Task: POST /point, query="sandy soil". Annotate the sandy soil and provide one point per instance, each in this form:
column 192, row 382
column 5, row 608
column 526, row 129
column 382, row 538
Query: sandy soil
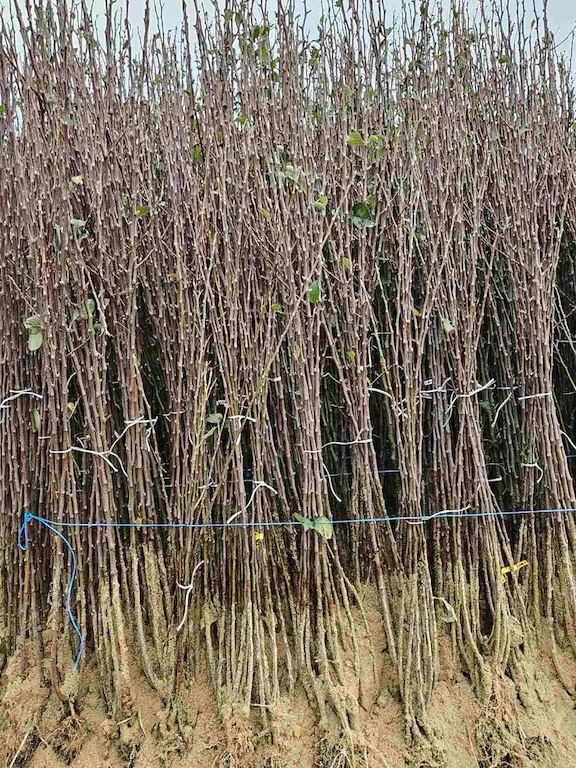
column 540, row 731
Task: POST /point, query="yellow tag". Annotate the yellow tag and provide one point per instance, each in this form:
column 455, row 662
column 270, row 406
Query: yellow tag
column 512, row 569
column 259, row 536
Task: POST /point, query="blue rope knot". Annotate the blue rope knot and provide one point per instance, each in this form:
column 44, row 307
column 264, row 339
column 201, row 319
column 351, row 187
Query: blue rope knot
column 23, row 542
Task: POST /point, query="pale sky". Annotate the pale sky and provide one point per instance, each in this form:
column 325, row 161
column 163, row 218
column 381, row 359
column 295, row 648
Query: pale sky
column 561, row 13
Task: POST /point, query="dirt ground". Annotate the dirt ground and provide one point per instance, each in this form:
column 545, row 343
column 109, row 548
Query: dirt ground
column 541, row 731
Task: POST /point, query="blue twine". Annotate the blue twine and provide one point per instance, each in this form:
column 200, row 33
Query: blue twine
column 52, row 525
column 23, row 530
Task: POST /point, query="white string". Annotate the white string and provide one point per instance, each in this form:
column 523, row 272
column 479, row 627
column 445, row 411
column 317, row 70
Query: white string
column 480, row 389
column 257, row 484
column 531, row 397
column 14, row 395
column 500, row 408
column 425, row 519
column 188, row 589
column 101, row 454
column 337, row 442
column 329, row 478
column 457, row 396
column 535, row 466
column 569, row 440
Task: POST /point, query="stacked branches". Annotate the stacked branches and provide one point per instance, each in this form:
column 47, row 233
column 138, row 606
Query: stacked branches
column 249, row 276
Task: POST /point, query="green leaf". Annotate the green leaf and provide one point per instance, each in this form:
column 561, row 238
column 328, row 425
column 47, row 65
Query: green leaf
column 214, row 418
column 142, row 210
column 35, row 341
column 362, row 215
column 265, row 214
column 351, row 355
column 308, row 524
column 90, row 307
column 321, row 203
column 360, row 222
column 294, row 176
column 447, row 324
column 362, row 210
column 324, row 527
column 277, row 307
column 321, row 525
column 2, row 109
column 314, row 294
column 35, row 419
column 77, row 180
column 376, row 138
column 346, row 262
column 77, row 223
column 33, row 324
column 355, row 139
column 198, row 155
column 259, row 31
